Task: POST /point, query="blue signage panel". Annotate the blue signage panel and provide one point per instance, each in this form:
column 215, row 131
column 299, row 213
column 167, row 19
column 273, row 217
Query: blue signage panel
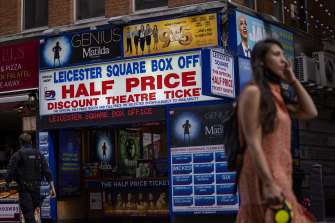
column 46, row 146
column 199, row 175
column 69, row 163
column 182, row 180
column 182, row 190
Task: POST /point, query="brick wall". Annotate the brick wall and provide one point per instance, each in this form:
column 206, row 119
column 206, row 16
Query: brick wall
column 265, row 6
column 176, row 3
column 10, row 22
column 60, row 12
column 118, row 7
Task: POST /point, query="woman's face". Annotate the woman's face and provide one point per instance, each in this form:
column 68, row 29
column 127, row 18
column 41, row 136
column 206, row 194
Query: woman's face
column 242, row 27
column 275, row 60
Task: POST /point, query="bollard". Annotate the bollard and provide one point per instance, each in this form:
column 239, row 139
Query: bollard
column 317, row 193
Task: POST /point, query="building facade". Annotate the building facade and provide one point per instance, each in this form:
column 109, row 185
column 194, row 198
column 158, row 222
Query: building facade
column 104, row 102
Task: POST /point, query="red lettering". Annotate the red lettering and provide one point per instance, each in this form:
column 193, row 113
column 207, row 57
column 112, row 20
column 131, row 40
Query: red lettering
column 106, row 85
column 168, row 83
column 131, row 82
column 188, row 78
column 147, row 81
column 92, row 90
column 118, row 113
column 82, row 91
column 187, row 93
column 159, row 82
column 179, row 93
column 67, row 91
column 152, row 96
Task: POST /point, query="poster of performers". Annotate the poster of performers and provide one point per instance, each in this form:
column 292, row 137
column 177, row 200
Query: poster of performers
column 130, row 151
column 148, row 201
column 171, row 35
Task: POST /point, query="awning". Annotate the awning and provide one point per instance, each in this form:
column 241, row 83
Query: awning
column 17, row 102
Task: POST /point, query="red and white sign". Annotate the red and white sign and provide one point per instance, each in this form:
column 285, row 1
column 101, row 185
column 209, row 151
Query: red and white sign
column 9, row 212
column 19, row 66
column 151, row 81
column 222, row 74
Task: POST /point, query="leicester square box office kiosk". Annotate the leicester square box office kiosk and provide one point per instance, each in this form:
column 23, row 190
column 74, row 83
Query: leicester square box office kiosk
column 73, row 107
column 122, row 147
column 131, row 142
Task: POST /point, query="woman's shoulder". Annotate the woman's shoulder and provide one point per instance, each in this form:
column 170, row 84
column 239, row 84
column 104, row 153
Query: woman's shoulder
column 251, row 90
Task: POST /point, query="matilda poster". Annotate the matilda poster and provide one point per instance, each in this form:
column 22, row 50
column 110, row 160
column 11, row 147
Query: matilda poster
column 103, row 150
column 171, row 35
column 130, row 151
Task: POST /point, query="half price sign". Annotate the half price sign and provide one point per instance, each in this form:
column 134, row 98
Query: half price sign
column 222, row 74
column 132, row 83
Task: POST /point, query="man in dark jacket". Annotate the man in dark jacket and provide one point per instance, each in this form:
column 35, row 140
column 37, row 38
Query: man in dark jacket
column 28, row 167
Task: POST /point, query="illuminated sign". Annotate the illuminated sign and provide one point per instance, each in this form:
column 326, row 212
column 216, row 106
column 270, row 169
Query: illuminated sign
column 245, row 30
column 218, row 74
column 171, row 35
column 200, row 180
column 159, row 80
column 19, row 66
column 78, row 48
column 129, row 115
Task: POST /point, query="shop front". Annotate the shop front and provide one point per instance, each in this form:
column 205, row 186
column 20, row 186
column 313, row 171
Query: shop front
column 122, row 131
column 18, row 109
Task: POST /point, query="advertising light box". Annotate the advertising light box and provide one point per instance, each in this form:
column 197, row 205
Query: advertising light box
column 200, row 180
column 218, row 74
column 79, row 48
column 159, row 80
column 246, row 30
column 19, row 67
column 187, row 32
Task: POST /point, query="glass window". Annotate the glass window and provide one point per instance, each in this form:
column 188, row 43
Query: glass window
column 90, row 8
column 35, row 13
column 250, row 4
column 148, row 4
column 278, row 10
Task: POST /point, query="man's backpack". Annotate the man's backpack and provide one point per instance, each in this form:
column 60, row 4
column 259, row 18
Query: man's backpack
column 30, row 166
column 234, row 151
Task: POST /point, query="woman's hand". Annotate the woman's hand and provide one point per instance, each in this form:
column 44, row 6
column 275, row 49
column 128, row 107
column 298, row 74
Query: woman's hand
column 289, row 76
column 273, row 194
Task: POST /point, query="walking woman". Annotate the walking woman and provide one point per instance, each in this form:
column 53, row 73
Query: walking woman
column 264, row 117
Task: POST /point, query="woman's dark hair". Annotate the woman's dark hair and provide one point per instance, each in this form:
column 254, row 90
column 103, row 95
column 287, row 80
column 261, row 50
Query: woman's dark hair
column 268, row 111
